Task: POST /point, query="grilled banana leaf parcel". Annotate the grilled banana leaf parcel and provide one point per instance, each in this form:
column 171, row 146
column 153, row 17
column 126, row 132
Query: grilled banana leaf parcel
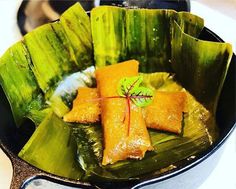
column 197, row 134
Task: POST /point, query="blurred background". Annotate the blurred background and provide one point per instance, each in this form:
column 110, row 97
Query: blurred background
column 18, row 17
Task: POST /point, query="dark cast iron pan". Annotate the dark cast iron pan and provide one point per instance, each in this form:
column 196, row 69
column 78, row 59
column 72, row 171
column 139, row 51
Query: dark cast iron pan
column 12, row 139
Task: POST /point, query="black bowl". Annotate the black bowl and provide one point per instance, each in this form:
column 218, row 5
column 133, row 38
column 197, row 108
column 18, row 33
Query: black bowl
column 193, row 171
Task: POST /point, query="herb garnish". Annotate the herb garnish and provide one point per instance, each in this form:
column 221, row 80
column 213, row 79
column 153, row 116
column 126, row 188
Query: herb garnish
column 129, row 88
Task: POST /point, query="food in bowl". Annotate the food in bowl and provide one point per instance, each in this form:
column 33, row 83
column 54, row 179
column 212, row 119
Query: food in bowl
column 143, row 115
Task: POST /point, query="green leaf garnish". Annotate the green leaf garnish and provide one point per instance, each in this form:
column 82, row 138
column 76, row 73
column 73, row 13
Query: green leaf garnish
column 142, row 96
column 129, row 87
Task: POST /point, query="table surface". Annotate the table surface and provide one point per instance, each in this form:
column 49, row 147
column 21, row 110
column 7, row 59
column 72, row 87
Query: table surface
column 219, row 16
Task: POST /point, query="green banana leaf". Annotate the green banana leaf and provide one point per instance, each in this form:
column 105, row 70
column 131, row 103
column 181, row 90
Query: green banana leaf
column 108, row 35
column 189, row 23
column 20, row 86
column 66, row 43
column 168, row 148
column 60, row 48
column 52, row 149
column 50, row 59
column 158, row 40
column 76, row 24
column 37, row 116
column 135, row 40
column 200, row 66
column 120, row 34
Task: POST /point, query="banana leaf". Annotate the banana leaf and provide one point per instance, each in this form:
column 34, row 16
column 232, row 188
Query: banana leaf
column 20, row 86
column 158, row 40
column 37, row 116
column 120, row 34
column 190, row 23
column 200, row 66
column 45, row 57
column 65, row 41
column 50, row 59
column 60, row 48
column 52, row 149
column 135, row 40
column 76, row 24
column 108, row 33
column 168, row 148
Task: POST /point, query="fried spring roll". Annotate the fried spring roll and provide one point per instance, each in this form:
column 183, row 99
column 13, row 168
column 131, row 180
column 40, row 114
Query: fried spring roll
column 118, row 144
